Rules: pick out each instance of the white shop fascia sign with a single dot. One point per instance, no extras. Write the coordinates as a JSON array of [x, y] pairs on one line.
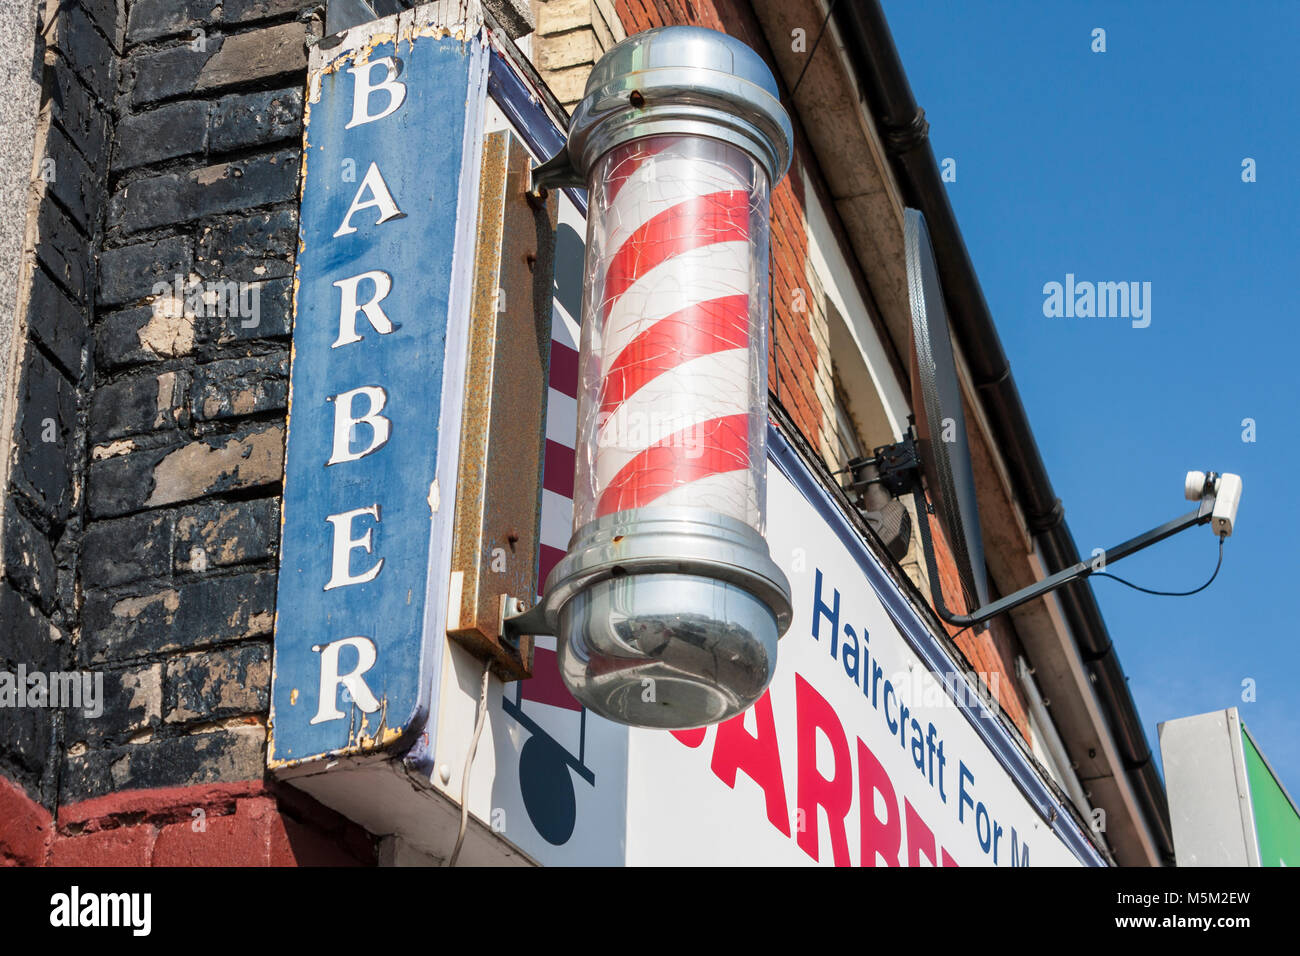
[[858, 754]]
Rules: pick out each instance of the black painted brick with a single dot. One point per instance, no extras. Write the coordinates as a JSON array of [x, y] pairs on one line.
[[66, 549], [28, 558], [85, 50], [155, 19], [117, 339], [131, 702], [63, 250], [246, 11], [76, 111], [206, 611], [166, 762], [248, 458], [171, 130], [115, 556], [27, 733], [107, 15], [46, 408], [222, 534], [256, 119], [239, 248], [228, 187], [216, 684], [58, 323], [129, 273], [244, 386], [139, 403], [72, 181], [169, 73], [257, 56], [274, 318], [122, 483], [127, 549], [28, 636]]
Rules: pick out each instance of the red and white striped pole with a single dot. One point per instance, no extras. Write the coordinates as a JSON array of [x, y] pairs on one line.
[[677, 355], [667, 605]]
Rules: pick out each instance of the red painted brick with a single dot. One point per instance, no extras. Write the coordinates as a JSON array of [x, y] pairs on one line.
[[243, 823], [125, 846], [27, 826], [237, 839], [165, 804], [293, 844]]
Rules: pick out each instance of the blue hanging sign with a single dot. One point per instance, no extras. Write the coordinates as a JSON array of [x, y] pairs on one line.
[[380, 314]]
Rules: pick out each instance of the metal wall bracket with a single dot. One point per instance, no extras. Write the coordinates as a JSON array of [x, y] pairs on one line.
[[898, 468], [503, 438], [981, 615], [899, 471], [557, 172], [519, 621]]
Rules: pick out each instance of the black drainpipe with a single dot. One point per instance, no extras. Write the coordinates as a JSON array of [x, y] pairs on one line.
[[905, 132]]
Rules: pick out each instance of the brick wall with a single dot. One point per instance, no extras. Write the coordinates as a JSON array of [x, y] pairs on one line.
[[39, 601], [239, 824], [571, 35], [142, 510], [991, 652]]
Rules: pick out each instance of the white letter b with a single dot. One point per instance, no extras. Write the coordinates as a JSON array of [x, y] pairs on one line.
[[344, 421], [362, 87]]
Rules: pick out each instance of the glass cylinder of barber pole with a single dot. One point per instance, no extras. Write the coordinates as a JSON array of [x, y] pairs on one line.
[[668, 605]]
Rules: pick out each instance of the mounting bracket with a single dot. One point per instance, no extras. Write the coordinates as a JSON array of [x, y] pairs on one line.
[[1202, 515], [899, 467]]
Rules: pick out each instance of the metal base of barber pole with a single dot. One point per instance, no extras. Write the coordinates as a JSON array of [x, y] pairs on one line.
[[667, 617]]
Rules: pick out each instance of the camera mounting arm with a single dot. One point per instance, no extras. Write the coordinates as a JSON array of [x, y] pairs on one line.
[[1219, 496], [1202, 515]]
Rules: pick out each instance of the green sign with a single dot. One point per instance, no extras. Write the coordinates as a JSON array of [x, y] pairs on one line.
[[1277, 821]]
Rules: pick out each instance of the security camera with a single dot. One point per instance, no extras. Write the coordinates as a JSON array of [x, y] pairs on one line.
[[1223, 490], [1226, 499], [1197, 484]]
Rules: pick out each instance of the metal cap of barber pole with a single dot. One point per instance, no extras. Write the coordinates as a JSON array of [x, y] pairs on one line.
[[677, 80], [667, 606]]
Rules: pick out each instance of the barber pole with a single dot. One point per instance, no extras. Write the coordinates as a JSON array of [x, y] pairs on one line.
[[667, 605], [673, 403]]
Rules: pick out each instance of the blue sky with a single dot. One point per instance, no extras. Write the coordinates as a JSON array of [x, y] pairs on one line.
[[1127, 166]]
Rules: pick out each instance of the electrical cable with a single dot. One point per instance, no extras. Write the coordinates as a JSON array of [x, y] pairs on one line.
[[469, 763], [1135, 587], [813, 51]]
